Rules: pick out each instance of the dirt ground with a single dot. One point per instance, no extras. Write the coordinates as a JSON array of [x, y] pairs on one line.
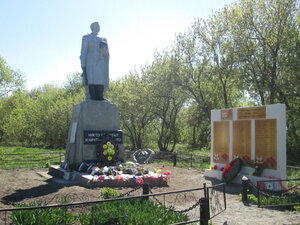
[[35, 185]]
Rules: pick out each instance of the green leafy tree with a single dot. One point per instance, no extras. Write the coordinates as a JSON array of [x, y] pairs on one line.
[[166, 98], [10, 80], [130, 95]]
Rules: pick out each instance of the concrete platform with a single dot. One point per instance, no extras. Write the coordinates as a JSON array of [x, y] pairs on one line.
[[276, 186], [87, 180]]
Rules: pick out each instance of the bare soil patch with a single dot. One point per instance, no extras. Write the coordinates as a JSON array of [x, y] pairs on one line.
[[33, 185]]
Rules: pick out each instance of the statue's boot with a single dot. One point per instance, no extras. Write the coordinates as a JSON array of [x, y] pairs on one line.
[[101, 91], [87, 93]]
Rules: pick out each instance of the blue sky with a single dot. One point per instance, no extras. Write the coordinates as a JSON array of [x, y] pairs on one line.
[[42, 38]]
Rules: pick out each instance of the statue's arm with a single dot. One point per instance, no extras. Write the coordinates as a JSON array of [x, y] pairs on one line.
[[83, 59], [83, 54], [105, 51]]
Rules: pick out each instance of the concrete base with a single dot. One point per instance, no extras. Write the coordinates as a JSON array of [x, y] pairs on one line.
[[90, 115], [87, 180], [276, 186]]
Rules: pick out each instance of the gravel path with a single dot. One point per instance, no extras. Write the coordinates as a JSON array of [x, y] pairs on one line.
[[238, 213]]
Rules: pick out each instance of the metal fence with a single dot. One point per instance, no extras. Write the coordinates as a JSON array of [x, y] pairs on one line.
[[20, 160], [288, 196], [178, 159], [198, 204]]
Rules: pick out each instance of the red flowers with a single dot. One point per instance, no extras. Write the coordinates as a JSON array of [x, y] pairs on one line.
[[167, 173], [225, 157], [261, 186], [247, 159]]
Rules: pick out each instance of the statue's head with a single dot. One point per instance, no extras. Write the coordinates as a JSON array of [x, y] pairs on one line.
[[95, 27]]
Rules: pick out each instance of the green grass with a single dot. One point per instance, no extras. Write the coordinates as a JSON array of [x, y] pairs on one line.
[[134, 211], [265, 201], [20, 157], [292, 173]]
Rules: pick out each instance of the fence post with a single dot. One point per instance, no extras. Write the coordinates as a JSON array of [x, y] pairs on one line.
[[245, 182], [145, 191], [174, 159], [258, 196], [191, 160], [204, 207], [59, 158]]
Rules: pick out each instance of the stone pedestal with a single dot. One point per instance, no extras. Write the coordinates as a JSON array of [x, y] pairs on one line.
[[90, 116]]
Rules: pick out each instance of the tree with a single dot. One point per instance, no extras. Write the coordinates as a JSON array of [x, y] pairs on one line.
[[260, 29], [130, 95], [10, 80], [166, 98]]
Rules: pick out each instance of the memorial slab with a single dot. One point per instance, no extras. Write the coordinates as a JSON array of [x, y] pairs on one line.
[[253, 134]]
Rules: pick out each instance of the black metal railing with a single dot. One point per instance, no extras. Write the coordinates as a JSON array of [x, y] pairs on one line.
[[21, 160], [179, 159], [289, 195], [194, 203]]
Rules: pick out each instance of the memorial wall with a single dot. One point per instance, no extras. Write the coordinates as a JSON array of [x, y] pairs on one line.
[[253, 134]]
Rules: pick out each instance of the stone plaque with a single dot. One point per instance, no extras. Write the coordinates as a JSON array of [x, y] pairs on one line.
[[226, 114], [252, 113], [266, 142], [242, 140], [221, 142], [96, 136]]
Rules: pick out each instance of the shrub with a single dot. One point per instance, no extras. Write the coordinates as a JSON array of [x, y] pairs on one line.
[[106, 193]]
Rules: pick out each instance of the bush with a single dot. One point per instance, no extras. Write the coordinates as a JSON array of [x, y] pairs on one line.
[[106, 193]]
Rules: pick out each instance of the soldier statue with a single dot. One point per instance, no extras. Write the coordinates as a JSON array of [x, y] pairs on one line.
[[94, 60]]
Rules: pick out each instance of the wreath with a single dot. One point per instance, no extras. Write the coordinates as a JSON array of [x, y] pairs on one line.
[[231, 170], [108, 152]]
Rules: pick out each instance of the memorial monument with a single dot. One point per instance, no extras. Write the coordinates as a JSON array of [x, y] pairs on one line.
[[257, 136], [94, 120]]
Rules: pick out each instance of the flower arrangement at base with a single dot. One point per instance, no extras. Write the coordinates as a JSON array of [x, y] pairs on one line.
[[231, 170], [108, 152], [126, 172], [259, 167]]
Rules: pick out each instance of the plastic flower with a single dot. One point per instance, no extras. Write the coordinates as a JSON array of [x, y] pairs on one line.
[[212, 167], [109, 158], [246, 159], [119, 178], [167, 173], [227, 166], [139, 180], [101, 178], [262, 186], [225, 157], [269, 186], [105, 152], [216, 157], [215, 167]]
